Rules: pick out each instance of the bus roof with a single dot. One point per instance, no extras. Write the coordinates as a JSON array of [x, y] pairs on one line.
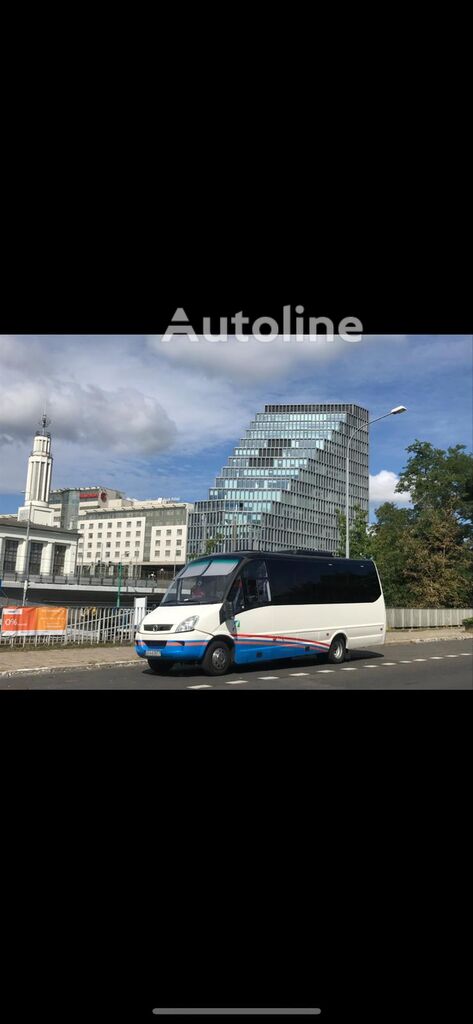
[[279, 554]]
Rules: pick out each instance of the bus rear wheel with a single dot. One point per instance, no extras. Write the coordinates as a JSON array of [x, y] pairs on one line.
[[160, 668], [337, 650]]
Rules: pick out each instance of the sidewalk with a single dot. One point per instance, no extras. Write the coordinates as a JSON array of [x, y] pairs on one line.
[[413, 636], [44, 660], [41, 659]]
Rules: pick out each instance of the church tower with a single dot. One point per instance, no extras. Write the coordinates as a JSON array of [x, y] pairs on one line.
[[38, 480]]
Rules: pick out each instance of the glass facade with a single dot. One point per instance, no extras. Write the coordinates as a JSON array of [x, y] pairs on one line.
[[284, 482]]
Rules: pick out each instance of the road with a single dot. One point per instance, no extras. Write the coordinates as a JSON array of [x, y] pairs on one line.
[[437, 665]]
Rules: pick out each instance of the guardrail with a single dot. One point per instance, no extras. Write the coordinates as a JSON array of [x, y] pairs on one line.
[[87, 626], [117, 625], [427, 618], [82, 580]]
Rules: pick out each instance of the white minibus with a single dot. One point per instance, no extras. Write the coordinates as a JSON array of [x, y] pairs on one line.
[[224, 610]]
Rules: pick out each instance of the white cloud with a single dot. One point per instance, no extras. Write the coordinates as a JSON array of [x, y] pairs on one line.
[[120, 420], [253, 361], [382, 486]]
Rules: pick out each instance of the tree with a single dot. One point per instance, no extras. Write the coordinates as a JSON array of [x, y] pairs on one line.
[[211, 544], [360, 540], [390, 552], [439, 479], [425, 554]]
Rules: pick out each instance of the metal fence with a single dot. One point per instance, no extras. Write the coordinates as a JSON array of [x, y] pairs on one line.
[[427, 618], [87, 626], [118, 625], [86, 580]]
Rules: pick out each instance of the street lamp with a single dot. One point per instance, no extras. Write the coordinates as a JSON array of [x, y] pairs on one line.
[[394, 412], [27, 558]]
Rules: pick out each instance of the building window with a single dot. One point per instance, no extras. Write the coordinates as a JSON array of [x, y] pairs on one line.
[[9, 558], [127, 543]]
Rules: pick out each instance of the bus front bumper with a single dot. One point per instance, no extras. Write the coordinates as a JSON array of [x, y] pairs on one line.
[[191, 647]]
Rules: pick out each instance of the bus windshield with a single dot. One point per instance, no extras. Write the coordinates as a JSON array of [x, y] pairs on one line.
[[202, 582]]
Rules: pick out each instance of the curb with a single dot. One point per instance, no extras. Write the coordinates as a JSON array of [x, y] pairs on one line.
[[67, 668], [426, 639]]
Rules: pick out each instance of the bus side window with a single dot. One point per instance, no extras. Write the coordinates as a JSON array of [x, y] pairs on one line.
[[256, 584]]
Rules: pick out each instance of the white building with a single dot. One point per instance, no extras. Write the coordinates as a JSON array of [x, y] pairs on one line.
[[51, 551], [68, 503], [143, 536], [31, 543]]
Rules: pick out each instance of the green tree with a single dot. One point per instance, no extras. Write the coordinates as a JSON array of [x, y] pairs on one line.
[[360, 539], [425, 554], [439, 479], [388, 544], [211, 543]]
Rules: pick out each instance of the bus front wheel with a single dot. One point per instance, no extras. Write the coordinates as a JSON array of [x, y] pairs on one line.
[[337, 650], [217, 658]]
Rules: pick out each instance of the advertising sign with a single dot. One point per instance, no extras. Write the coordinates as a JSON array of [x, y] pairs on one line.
[[33, 621]]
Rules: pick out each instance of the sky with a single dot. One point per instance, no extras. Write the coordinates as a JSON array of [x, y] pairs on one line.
[[159, 419]]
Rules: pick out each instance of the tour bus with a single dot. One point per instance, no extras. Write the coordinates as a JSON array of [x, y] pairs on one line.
[[232, 609]]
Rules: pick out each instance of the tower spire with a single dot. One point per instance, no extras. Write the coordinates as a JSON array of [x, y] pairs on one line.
[[45, 422]]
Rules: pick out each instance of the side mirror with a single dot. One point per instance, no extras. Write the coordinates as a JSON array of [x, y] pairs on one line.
[[226, 611]]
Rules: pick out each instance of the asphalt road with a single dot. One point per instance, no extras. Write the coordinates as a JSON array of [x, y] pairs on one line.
[[436, 665]]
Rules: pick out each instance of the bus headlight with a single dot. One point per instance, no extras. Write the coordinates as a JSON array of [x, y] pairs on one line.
[[187, 624]]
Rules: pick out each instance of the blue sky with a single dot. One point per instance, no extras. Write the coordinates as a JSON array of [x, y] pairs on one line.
[[157, 419]]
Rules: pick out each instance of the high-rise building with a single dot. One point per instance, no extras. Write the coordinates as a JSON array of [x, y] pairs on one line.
[[283, 484]]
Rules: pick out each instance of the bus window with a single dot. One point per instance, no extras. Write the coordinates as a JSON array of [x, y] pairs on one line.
[[251, 588]]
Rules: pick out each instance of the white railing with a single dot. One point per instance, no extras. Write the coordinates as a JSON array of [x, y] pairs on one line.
[[87, 626], [427, 618]]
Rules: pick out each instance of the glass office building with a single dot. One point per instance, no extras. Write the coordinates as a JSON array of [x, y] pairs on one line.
[[284, 482]]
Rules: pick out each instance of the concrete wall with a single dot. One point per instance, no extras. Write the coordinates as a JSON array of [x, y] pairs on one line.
[[410, 618]]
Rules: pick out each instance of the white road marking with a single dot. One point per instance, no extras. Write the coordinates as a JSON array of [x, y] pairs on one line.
[[451, 655], [370, 666], [298, 673], [321, 671], [436, 657], [393, 662], [344, 669], [235, 682], [201, 686], [268, 677], [407, 661], [420, 659], [465, 654]]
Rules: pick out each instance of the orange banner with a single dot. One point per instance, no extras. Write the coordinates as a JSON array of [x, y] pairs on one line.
[[33, 621]]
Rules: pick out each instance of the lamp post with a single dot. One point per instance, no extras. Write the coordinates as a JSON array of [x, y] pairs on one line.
[[120, 567], [27, 558], [394, 412]]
